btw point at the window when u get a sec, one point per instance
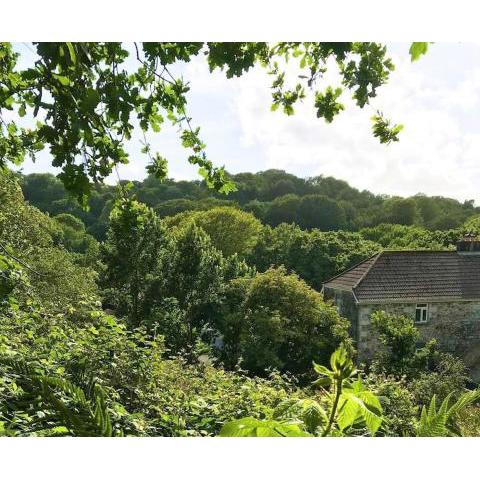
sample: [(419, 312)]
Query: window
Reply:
[(421, 313)]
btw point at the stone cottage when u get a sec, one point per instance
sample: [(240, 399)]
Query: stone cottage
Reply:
[(440, 290)]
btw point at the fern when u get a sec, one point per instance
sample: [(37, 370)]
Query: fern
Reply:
[(443, 422), (72, 410)]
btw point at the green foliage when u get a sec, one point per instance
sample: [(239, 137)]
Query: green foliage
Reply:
[(443, 422), (327, 105), (56, 276), (417, 49), (185, 399), (472, 225), (349, 407), (399, 338), (427, 370), (321, 212), (469, 421), (76, 240), (276, 320), (442, 374), (383, 131), (401, 211), (306, 410), (192, 309), (315, 256), (131, 254), (251, 427), (54, 406), (230, 230), (409, 237), (193, 280), (400, 409), (168, 396), (94, 100), (173, 280), (274, 197)]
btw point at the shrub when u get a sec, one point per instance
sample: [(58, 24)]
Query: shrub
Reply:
[(446, 375), (398, 336), (398, 403), (276, 319)]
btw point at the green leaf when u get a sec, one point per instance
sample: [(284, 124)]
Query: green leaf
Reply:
[(383, 131), (90, 101), (321, 370), (65, 81), (71, 50), (12, 128), (251, 427), (367, 408), (348, 413), (417, 49)]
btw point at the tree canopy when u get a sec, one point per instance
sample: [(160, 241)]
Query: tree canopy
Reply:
[(86, 98)]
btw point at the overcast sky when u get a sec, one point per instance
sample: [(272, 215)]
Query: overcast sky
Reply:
[(437, 99)]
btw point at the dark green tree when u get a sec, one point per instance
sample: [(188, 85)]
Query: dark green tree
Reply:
[(276, 320), (318, 211), (132, 254), (189, 291)]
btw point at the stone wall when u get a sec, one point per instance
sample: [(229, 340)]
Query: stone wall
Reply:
[(346, 306), (456, 326)]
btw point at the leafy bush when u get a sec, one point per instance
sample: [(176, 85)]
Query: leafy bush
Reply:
[(446, 375), (276, 319), (469, 421), (398, 403), (184, 399), (398, 336), (346, 408)]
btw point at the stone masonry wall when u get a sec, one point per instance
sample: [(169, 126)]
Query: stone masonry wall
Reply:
[(346, 306), (456, 326)]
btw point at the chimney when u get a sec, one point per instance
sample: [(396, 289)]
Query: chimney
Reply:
[(469, 244)]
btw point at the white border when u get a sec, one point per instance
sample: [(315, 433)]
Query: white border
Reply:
[(247, 458), (253, 20)]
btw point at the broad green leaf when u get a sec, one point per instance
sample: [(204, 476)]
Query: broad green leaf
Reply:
[(251, 427), (320, 369), (309, 411), (65, 81), (370, 412), (71, 50), (417, 49), (348, 413)]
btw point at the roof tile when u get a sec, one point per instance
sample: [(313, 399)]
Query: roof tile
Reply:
[(396, 275)]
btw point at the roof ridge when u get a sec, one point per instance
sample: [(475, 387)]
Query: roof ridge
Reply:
[(419, 251), (367, 271), (351, 268)]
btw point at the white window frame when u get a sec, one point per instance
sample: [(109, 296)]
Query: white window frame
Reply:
[(424, 312)]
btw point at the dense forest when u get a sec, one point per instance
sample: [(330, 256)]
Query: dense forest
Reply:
[(273, 196), (133, 319)]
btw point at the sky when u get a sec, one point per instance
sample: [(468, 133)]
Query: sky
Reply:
[(437, 99)]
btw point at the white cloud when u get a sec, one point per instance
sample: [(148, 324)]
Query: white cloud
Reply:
[(436, 98), (435, 154)]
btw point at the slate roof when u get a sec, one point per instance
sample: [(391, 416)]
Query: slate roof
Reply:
[(412, 275)]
